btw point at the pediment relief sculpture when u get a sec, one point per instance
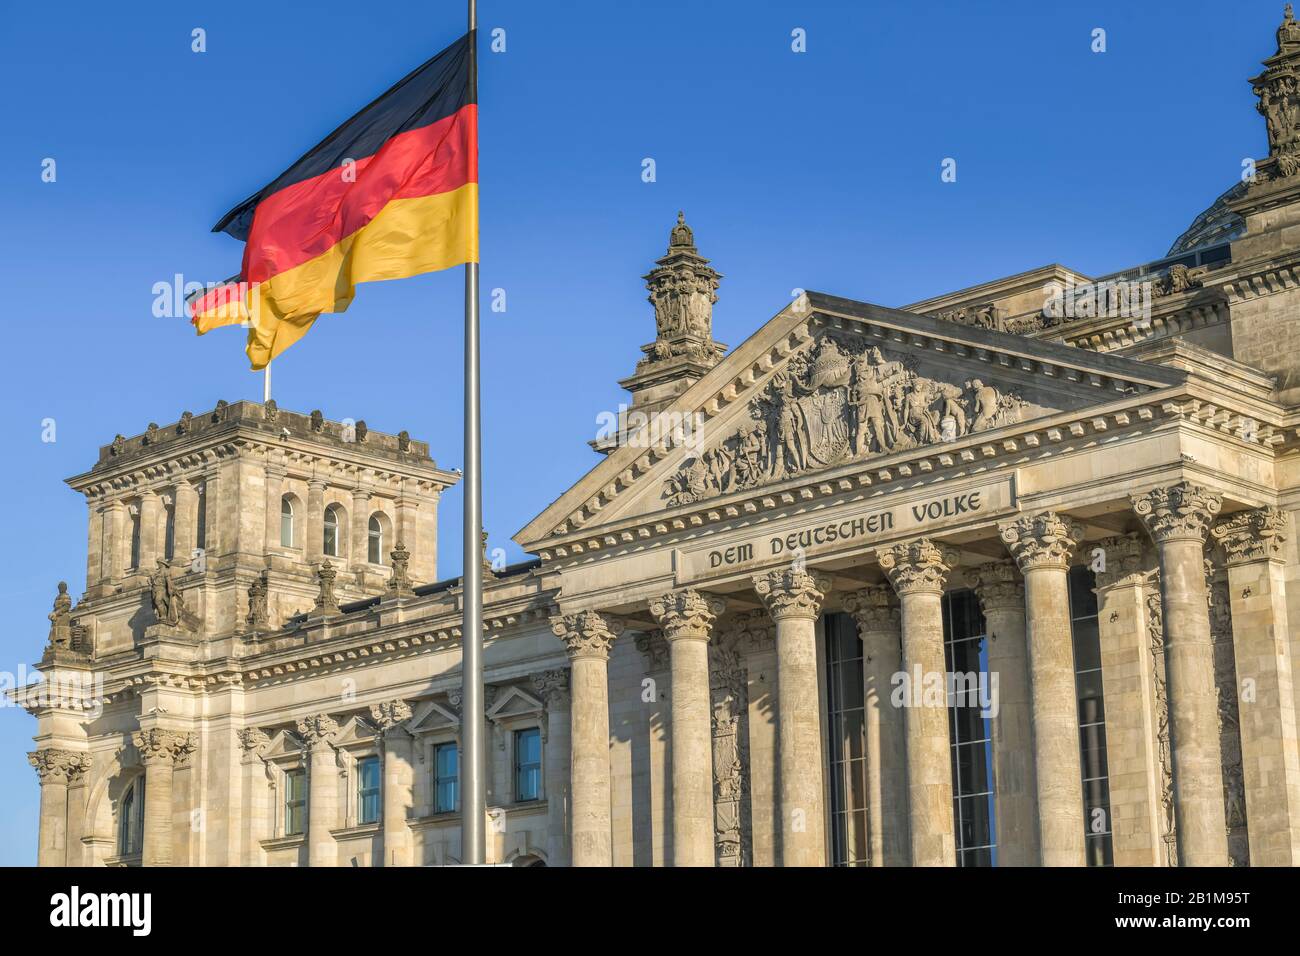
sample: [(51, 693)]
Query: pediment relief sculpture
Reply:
[(840, 400)]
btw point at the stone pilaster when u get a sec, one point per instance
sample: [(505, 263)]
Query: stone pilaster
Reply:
[(360, 537), (1001, 592), (56, 769), (919, 570), (553, 687), (1042, 546), (1177, 518), (150, 530), (274, 502), (1129, 676), (117, 541), (160, 750), (875, 611), (314, 545), (1252, 545), (185, 531), (588, 637), (399, 779), (793, 599), (686, 618), (318, 733)]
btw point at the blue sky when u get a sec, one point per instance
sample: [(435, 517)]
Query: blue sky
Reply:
[(818, 170)]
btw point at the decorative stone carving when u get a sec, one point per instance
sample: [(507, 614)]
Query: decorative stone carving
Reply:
[(686, 614), (258, 613), (1278, 90), (326, 602), (53, 765), (1225, 685), (1044, 540), (1156, 641), (1183, 510), (1178, 279), (318, 730), (220, 411), (157, 745), (655, 647), (754, 630), (317, 420), (362, 430), (390, 715), (986, 316), (168, 604), (61, 619), (553, 686), (118, 446), (838, 400), (683, 288), (254, 740), (587, 633), (918, 566), (874, 608), (272, 410), (787, 592), (998, 585), (186, 424), (399, 582), (729, 697), (1124, 563), (1250, 536), (404, 441)]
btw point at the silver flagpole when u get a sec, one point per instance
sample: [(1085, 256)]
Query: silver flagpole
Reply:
[(266, 384), (473, 812)]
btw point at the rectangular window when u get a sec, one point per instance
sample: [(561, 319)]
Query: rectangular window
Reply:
[(446, 781), (169, 546), (295, 802), (201, 534), (368, 790), (1092, 716), (847, 741), (966, 654), (528, 764)]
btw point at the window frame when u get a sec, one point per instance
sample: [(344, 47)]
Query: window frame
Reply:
[(435, 807), (517, 768), (375, 538), (287, 805), (130, 819), (361, 791), (286, 503), (336, 518)]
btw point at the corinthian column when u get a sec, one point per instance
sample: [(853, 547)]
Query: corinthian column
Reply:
[(686, 618), (793, 599), (159, 749), (1177, 518), (875, 610), (57, 769), (390, 717), (318, 733), (1252, 543), (1001, 593), (588, 637), (918, 570), (553, 686), (1042, 546)]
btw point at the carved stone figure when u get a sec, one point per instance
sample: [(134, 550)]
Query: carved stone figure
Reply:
[(61, 619), (257, 601), (399, 582), (1279, 100), (683, 288), (168, 606)]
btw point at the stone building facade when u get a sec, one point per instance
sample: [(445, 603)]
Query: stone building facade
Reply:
[(1008, 576)]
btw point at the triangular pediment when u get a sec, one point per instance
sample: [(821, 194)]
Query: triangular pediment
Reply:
[(357, 730), (431, 716), (513, 702), (283, 743), (831, 383)]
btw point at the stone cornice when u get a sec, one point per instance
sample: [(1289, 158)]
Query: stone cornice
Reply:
[(1251, 536), (686, 614), (1040, 541)]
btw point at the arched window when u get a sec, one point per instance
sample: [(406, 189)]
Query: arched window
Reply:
[(375, 551), (286, 522), (130, 819), (333, 524)]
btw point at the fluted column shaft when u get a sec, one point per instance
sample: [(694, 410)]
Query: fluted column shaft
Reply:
[(918, 570), (1001, 593), (159, 750), (399, 779), (793, 599), (553, 686), (686, 618), (588, 637), (875, 610), (1042, 545), (1177, 518), (319, 733)]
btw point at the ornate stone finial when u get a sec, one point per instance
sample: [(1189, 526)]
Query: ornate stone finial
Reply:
[(403, 441), (553, 686), (998, 586), (681, 236), (53, 765), (918, 566), (1279, 101), (1178, 511), (791, 593), (326, 603), (272, 410), (164, 746), (399, 582), (118, 446), (874, 608), (1121, 562), (1250, 536), (686, 614), (587, 634), (362, 430), (151, 434), (219, 413), (390, 715), (317, 730), (317, 420), (1044, 540), (258, 591), (168, 604), (186, 423), (683, 289)]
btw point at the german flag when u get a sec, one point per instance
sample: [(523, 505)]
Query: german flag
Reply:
[(391, 193)]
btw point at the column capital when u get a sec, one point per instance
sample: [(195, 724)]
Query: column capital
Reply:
[(791, 593), (553, 686), (918, 566), (874, 608), (1122, 564), (318, 730), (999, 586), (53, 765), (686, 614), (1044, 540), (390, 715), (1251, 536), (586, 634), (1179, 511), (317, 484), (167, 747)]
